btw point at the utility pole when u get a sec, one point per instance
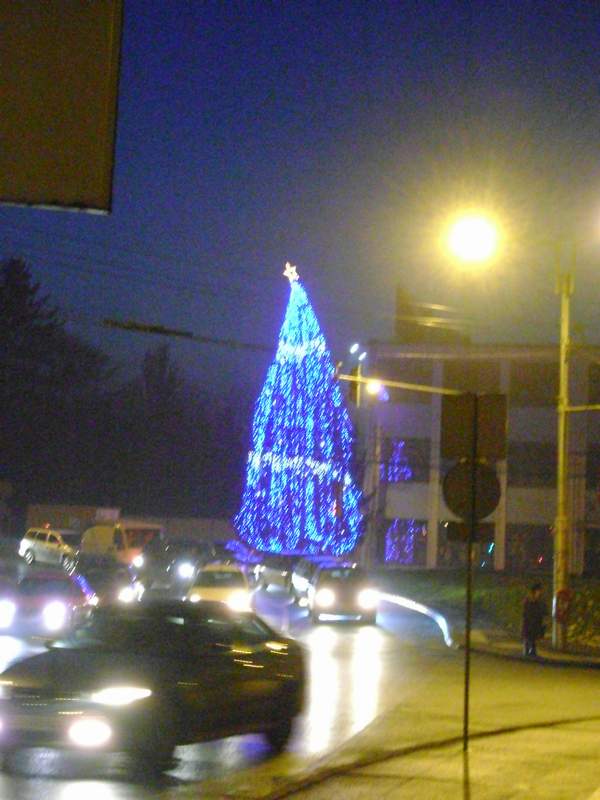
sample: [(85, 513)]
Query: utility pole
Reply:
[(562, 525)]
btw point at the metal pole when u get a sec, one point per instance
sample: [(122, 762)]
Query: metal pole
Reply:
[(358, 383), (562, 522), (469, 594)]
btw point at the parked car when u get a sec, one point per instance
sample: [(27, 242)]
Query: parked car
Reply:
[(275, 570), (226, 583), (49, 546), (46, 602), (146, 678), (342, 592)]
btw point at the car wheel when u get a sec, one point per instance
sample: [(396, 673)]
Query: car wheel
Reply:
[(279, 736), (28, 557), (154, 754)]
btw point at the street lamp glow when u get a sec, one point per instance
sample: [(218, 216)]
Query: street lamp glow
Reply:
[(374, 386), (473, 238), (354, 347), (362, 356)]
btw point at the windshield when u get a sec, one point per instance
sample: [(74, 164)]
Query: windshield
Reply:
[(343, 574), (165, 634), (142, 537), (218, 579), (31, 587)]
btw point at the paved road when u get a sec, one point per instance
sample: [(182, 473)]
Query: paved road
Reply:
[(399, 671), (354, 674)]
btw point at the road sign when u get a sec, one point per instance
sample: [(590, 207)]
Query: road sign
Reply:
[(467, 415), (460, 490)]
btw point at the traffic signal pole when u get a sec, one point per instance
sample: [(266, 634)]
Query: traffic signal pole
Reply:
[(472, 522)]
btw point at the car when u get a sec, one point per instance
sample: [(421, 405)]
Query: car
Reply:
[(342, 592), (226, 583), (302, 573), (145, 678), (275, 570), (46, 602), (50, 546), (172, 564), (111, 583)]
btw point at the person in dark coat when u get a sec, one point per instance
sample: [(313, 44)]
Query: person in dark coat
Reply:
[(534, 611)]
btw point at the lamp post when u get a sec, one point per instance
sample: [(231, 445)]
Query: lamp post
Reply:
[(472, 238), (562, 532)]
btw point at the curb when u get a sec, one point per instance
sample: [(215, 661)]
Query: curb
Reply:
[(546, 657)]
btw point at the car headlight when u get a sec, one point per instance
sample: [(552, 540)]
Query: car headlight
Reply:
[(55, 615), (325, 598), (368, 599), (5, 689), (126, 595), (88, 732), (195, 598), (7, 613), (138, 561), (120, 695), (239, 601), (185, 570)]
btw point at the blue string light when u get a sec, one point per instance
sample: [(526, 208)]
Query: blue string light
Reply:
[(299, 494)]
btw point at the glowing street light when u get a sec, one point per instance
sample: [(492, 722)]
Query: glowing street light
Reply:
[(473, 238), (374, 387)]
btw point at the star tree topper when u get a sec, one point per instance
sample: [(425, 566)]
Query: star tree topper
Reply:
[(290, 272)]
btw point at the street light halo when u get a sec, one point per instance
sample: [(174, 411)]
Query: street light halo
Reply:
[(473, 237), (374, 386)]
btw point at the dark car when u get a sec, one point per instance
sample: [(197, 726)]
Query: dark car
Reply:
[(172, 565), (146, 678), (111, 583), (45, 603), (342, 591)]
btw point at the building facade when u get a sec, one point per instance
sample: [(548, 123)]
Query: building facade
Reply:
[(400, 445)]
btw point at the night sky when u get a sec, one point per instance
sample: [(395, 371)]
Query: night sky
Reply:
[(339, 136)]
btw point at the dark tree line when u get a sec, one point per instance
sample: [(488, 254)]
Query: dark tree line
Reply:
[(74, 430)]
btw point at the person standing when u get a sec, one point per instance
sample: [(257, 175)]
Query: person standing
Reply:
[(534, 611)]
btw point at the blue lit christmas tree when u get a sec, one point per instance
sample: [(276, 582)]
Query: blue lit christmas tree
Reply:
[(299, 494)]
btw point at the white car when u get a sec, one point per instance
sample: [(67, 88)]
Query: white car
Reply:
[(226, 583), (49, 546)]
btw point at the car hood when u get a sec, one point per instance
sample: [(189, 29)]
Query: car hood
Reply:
[(217, 593), (72, 671)]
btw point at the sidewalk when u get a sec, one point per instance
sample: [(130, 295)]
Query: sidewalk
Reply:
[(487, 638), (525, 761)]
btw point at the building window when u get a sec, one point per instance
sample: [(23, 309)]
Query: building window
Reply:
[(405, 542), (531, 464), (529, 548), (404, 460)]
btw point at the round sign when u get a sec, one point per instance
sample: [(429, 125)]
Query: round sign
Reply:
[(458, 488)]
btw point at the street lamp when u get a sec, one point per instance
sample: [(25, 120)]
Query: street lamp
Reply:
[(362, 354), (474, 238)]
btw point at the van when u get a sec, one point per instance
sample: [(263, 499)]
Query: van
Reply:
[(121, 541)]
